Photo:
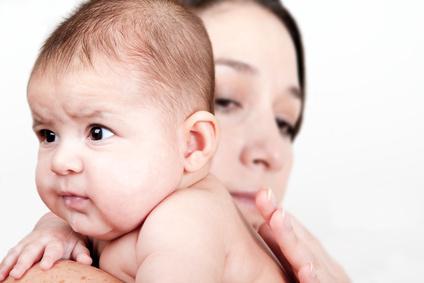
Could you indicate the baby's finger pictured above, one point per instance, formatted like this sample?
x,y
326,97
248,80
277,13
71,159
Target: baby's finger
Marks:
x,y
9,262
81,254
296,253
266,203
53,252
27,258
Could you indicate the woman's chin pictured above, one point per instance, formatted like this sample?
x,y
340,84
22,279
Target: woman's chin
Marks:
x,y
250,212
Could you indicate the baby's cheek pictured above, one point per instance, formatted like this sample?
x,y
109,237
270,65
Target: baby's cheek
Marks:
x,y
41,181
45,187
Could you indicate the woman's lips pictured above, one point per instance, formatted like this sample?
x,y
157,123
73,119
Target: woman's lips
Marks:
x,y
244,198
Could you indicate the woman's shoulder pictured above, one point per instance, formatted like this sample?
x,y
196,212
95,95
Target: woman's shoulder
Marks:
x,y
66,271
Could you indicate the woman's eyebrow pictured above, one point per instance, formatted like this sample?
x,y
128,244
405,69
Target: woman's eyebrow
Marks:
x,y
237,65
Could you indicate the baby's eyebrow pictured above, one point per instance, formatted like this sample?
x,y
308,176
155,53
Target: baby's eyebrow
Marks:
x,y
83,114
237,65
87,113
38,119
37,122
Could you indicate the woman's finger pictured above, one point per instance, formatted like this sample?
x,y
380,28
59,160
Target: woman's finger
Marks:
x,y
307,274
310,240
267,235
294,245
294,250
266,203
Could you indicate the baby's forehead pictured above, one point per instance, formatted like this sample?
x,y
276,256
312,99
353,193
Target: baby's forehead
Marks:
x,y
104,82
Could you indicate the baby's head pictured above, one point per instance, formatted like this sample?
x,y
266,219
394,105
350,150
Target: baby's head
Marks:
x,y
121,96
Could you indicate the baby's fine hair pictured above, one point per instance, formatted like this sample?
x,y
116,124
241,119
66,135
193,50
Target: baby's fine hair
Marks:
x,y
165,43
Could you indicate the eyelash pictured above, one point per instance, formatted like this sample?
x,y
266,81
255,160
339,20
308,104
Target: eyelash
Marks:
x,y
226,105
45,134
97,126
48,136
286,129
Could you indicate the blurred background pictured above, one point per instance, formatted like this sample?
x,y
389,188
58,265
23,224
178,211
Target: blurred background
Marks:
x,y
358,180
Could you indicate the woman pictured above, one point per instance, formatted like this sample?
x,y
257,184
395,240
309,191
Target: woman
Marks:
x,y
259,104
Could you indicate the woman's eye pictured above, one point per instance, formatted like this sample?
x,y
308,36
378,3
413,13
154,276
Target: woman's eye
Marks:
x,y
226,104
99,133
285,128
46,136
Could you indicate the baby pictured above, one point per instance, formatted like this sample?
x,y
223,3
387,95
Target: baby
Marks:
x,y
121,98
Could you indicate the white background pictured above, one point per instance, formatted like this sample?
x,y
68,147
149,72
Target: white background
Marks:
x,y
357,181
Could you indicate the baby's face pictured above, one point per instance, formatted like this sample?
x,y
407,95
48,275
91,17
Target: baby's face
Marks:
x,y
106,155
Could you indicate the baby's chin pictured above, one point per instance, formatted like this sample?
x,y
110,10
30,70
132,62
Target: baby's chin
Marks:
x,y
98,230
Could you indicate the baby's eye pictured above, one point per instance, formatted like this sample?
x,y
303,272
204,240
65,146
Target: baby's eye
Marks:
x,y
46,136
226,104
99,133
286,130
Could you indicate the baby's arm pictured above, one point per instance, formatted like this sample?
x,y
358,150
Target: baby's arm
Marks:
x,y
181,242
51,240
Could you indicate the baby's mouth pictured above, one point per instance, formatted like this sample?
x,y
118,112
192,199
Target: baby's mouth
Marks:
x,y
75,202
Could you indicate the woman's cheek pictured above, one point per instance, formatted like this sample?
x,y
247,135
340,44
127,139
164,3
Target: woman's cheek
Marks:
x,y
279,183
226,160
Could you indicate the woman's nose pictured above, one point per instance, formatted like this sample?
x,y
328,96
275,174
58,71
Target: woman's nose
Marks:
x,y
263,149
66,160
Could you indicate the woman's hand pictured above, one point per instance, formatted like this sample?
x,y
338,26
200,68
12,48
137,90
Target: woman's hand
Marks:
x,y
292,243
51,240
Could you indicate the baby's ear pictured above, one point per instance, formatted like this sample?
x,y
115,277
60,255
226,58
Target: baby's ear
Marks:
x,y
201,138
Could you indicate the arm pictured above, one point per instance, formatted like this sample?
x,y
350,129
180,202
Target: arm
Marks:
x,y
179,242
52,239
293,243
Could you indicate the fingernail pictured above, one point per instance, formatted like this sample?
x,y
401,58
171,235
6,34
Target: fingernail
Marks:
x,y
287,220
44,265
83,258
14,273
271,197
312,272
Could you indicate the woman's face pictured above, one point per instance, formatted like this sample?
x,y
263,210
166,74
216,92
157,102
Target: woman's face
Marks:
x,y
257,100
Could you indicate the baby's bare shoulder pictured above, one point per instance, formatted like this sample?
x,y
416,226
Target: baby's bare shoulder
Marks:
x,y
200,198
201,212
206,200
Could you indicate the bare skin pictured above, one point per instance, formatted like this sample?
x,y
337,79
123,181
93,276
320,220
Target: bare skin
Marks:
x,y
70,270
207,210
248,152
236,256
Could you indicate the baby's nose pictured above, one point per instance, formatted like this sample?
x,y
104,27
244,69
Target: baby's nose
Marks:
x,y
66,160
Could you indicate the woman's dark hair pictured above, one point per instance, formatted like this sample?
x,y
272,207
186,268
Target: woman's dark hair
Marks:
x,y
275,7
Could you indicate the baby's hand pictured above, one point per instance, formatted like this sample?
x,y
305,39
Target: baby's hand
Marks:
x,y
51,240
